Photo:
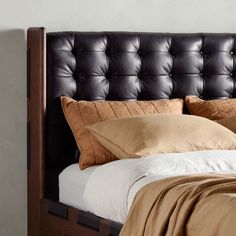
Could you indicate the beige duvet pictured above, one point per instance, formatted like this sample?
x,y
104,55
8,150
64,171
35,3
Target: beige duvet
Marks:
x,y
198,205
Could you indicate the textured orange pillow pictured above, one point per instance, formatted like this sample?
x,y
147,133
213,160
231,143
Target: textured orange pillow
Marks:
x,y
229,123
79,114
212,109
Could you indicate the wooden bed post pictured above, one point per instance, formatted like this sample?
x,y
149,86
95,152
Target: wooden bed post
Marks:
x,y
36,106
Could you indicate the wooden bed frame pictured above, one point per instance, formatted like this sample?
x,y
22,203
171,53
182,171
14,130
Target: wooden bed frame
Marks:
x,y
48,217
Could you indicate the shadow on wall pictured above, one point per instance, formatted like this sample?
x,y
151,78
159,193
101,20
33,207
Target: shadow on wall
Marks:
x,y
13,209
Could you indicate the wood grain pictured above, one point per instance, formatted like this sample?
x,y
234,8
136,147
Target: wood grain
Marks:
x,y
36,104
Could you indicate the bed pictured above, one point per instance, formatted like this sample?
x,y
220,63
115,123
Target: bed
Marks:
x,y
114,66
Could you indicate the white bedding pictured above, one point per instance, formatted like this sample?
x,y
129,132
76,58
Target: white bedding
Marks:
x,y
108,190
111,188
72,183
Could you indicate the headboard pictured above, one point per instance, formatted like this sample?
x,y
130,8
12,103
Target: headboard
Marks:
x,y
128,66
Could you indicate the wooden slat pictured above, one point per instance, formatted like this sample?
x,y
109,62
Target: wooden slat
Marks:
x,y
36,103
52,225
55,223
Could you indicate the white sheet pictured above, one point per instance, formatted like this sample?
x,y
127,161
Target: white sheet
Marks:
x,y
111,188
72,182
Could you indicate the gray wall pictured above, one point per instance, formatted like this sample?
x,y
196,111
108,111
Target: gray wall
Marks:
x,y
131,15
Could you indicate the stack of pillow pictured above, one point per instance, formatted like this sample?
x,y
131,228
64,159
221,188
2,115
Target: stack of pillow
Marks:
x,y
109,130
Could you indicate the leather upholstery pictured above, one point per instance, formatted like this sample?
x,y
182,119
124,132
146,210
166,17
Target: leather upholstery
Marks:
x,y
123,66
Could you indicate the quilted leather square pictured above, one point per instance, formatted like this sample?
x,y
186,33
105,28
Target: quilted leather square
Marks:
x,y
79,114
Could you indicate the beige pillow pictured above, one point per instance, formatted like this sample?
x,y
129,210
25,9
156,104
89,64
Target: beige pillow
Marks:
x,y
81,113
229,123
212,109
161,133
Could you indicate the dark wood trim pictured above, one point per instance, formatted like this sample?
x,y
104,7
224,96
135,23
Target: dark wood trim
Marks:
x,y
36,106
59,219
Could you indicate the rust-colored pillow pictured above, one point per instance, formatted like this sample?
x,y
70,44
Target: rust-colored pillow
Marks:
x,y
79,114
229,123
212,109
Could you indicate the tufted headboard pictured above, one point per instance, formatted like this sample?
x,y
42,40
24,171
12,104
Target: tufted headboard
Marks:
x,y
116,66
130,66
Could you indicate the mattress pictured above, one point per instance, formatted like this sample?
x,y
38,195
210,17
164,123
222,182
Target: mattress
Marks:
x,y
72,183
108,190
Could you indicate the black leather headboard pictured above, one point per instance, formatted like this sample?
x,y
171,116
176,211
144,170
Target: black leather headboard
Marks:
x,y
121,66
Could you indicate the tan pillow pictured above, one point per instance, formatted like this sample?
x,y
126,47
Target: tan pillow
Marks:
x,y
81,113
212,109
229,123
161,133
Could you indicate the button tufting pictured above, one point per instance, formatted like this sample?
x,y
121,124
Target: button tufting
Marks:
x,y
73,51
232,52
107,74
170,75
201,52
201,74
231,74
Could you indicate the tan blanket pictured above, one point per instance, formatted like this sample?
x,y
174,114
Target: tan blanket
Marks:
x,y
198,205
